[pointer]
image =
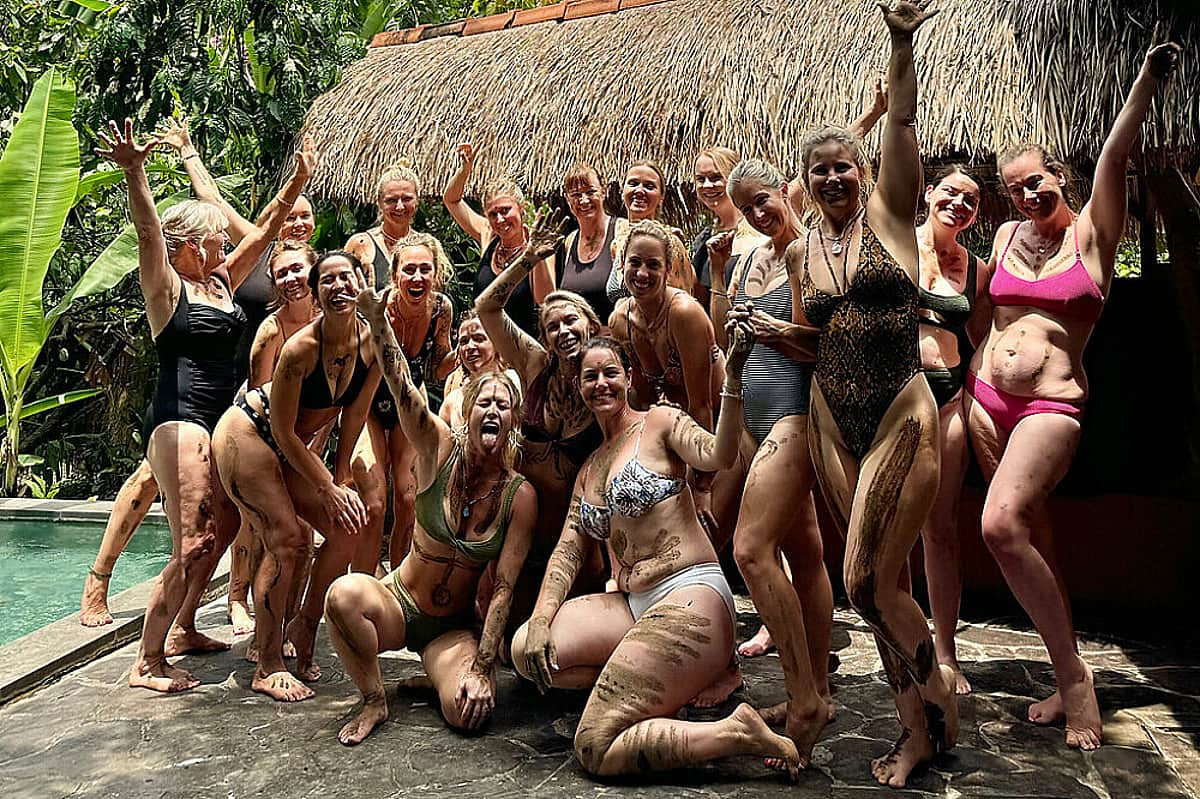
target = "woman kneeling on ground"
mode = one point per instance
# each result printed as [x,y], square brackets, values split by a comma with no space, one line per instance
[472,509]
[263,456]
[667,633]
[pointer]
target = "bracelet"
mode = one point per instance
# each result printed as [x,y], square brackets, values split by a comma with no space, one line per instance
[279,198]
[190,157]
[716,293]
[730,394]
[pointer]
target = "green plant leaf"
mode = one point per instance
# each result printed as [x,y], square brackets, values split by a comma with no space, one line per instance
[50,403]
[38,175]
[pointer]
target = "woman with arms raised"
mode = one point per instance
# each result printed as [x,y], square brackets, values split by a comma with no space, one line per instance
[873,423]
[559,431]
[502,237]
[1026,386]
[951,281]
[666,634]
[472,510]
[420,316]
[325,372]
[188,284]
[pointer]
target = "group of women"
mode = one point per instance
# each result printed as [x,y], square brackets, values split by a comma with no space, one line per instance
[615,412]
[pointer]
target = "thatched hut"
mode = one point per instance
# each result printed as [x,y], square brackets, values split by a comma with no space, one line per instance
[609,81]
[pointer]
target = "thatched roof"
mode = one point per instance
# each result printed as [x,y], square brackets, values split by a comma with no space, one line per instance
[659,80]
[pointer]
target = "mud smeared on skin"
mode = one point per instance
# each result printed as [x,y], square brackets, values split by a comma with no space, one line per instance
[622,697]
[669,631]
[924,660]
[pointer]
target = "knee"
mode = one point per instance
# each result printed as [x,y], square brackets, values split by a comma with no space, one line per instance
[862,589]
[347,595]
[1005,530]
[288,540]
[199,547]
[752,554]
[593,739]
[518,652]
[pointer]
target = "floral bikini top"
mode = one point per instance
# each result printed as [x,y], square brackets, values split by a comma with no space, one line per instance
[633,492]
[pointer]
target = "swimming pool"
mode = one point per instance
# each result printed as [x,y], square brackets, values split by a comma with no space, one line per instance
[43,563]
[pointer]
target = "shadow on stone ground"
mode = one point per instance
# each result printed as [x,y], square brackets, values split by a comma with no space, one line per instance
[90,735]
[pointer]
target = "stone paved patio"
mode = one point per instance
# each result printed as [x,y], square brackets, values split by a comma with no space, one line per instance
[89,735]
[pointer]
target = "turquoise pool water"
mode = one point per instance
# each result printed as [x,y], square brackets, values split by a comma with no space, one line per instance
[42,566]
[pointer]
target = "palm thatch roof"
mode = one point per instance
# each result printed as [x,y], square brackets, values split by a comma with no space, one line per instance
[610,81]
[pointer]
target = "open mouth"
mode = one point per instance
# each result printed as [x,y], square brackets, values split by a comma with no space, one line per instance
[339,301]
[416,292]
[489,433]
[567,342]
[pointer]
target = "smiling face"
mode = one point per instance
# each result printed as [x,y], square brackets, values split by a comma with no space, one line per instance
[953,202]
[413,274]
[475,350]
[641,192]
[299,224]
[490,418]
[504,216]
[337,285]
[603,381]
[710,183]
[834,178]
[1035,189]
[645,266]
[765,207]
[289,271]
[585,198]
[398,203]
[565,328]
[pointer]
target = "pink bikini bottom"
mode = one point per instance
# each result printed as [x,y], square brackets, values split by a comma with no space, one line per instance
[1008,409]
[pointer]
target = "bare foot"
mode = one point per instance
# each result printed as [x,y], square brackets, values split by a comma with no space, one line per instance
[422,683]
[303,638]
[804,725]
[941,709]
[1084,727]
[289,650]
[909,752]
[757,646]
[961,686]
[371,716]
[775,715]
[728,681]
[251,652]
[281,686]
[310,674]
[778,752]
[181,641]
[93,607]
[240,618]
[160,676]
[1048,711]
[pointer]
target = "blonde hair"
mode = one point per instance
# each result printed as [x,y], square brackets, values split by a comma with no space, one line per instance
[653,229]
[400,171]
[723,158]
[443,270]
[565,297]
[280,247]
[190,220]
[503,187]
[471,391]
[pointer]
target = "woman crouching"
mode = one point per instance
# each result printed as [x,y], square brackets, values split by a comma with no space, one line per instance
[472,508]
[667,634]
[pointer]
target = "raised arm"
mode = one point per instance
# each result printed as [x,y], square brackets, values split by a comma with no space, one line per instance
[519,349]
[572,549]
[476,691]
[872,114]
[471,223]
[159,283]
[244,257]
[429,435]
[698,448]
[894,201]
[1105,211]
[205,188]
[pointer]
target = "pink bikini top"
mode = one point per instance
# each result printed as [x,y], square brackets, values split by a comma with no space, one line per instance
[1072,294]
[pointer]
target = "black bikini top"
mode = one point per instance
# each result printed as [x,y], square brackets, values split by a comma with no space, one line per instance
[950,311]
[314,391]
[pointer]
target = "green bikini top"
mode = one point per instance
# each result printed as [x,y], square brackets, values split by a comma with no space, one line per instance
[431,515]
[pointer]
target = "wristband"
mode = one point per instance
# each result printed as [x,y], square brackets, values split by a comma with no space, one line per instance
[729,393]
[190,157]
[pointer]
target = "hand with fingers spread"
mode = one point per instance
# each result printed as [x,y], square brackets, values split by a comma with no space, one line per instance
[905,17]
[306,157]
[175,134]
[540,657]
[879,107]
[1163,56]
[122,148]
[547,233]
[344,507]
[475,699]
[466,153]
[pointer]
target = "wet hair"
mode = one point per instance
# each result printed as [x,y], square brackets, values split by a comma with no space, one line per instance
[607,343]
[652,229]
[816,138]
[314,274]
[471,391]
[190,220]
[723,158]
[503,187]
[563,296]
[400,171]
[578,177]
[1049,161]
[753,169]
[443,270]
[280,247]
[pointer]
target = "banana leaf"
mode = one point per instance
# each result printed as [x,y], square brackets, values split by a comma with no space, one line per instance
[39,171]
[49,403]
